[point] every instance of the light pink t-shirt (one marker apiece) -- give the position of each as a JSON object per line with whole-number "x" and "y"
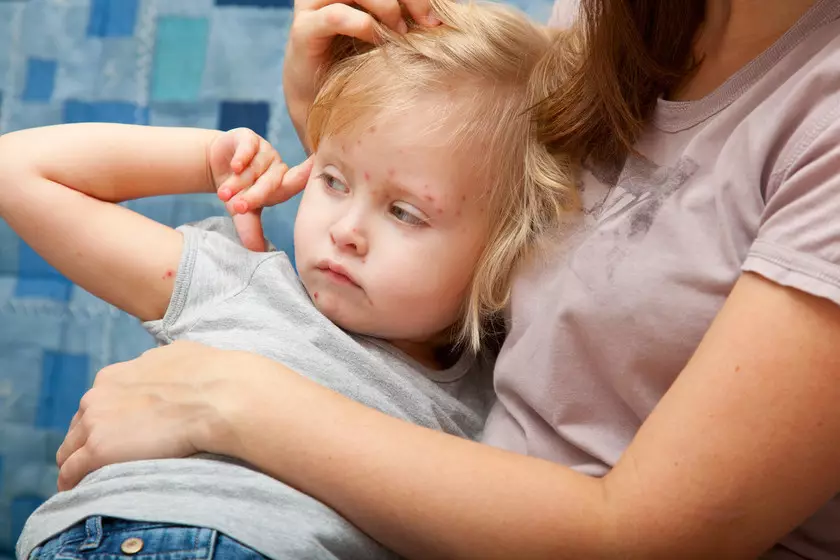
{"x": 746, "y": 179}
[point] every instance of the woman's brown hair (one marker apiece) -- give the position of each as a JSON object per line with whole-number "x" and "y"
{"x": 634, "y": 51}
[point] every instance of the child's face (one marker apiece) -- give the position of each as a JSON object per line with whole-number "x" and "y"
{"x": 389, "y": 230}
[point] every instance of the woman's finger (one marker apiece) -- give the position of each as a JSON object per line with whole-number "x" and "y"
{"x": 388, "y": 12}
{"x": 74, "y": 439}
{"x": 421, "y": 12}
{"x": 247, "y": 147}
{"x": 74, "y": 469}
{"x": 337, "y": 19}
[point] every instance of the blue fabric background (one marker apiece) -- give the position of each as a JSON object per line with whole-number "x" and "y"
{"x": 205, "y": 63}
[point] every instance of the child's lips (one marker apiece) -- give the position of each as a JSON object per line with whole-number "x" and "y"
{"x": 337, "y": 273}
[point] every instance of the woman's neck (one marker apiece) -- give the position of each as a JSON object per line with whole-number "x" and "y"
{"x": 735, "y": 32}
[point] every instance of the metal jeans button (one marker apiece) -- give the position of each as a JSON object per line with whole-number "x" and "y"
{"x": 132, "y": 545}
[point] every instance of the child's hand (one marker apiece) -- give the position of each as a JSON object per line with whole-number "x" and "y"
{"x": 249, "y": 175}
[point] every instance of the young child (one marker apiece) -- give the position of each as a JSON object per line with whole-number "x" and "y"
{"x": 428, "y": 187}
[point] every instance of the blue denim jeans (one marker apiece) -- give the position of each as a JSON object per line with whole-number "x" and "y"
{"x": 106, "y": 538}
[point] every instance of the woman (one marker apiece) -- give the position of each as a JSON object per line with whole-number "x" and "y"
{"x": 668, "y": 387}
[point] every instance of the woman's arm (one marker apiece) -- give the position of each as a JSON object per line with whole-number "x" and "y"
{"x": 740, "y": 450}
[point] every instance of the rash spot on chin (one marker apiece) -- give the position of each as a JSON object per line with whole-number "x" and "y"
{"x": 315, "y": 295}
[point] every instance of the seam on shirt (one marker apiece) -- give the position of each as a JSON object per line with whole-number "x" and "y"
{"x": 183, "y": 283}
{"x": 790, "y": 260}
{"x": 779, "y": 177}
{"x": 247, "y": 284}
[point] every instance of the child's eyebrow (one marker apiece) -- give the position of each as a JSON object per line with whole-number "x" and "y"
{"x": 423, "y": 194}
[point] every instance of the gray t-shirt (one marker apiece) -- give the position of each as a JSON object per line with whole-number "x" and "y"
{"x": 228, "y": 297}
{"x": 746, "y": 179}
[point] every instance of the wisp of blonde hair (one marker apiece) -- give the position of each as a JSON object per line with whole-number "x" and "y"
{"x": 497, "y": 65}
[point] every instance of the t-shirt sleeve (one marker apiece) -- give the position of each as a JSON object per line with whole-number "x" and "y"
{"x": 214, "y": 266}
{"x": 798, "y": 241}
{"x": 564, "y": 13}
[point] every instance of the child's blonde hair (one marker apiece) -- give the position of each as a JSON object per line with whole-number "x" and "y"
{"x": 504, "y": 61}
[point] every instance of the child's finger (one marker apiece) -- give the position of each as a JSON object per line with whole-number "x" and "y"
{"x": 262, "y": 190}
{"x": 249, "y": 229}
{"x": 235, "y": 184}
{"x": 247, "y": 147}
{"x": 294, "y": 181}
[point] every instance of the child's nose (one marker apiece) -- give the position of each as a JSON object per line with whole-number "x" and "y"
{"x": 348, "y": 236}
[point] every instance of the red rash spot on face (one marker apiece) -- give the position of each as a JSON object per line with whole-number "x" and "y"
{"x": 428, "y": 197}
{"x": 168, "y": 274}
{"x": 391, "y": 172}
{"x": 367, "y": 176}
{"x": 458, "y": 213}
{"x": 315, "y": 295}
{"x": 355, "y": 230}
{"x": 439, "y": 210}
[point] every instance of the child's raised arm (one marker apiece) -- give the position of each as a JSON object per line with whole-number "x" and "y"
{"x": 59, "y": 186}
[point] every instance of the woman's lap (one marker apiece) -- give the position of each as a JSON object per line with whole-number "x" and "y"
{"x": 108, "y": 538}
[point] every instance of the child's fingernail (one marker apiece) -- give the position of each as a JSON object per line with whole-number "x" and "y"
{"x": 402, "y": 27}
{"x": 224, "y": 194}
{"x": 240, "y": 206}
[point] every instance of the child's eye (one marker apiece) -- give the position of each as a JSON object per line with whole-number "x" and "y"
{"x": 408, "y": 214}
{"x": 333, "y": 183}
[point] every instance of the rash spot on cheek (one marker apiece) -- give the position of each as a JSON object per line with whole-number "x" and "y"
{"x": 315, "y": 295}
{"x": 168, "y": 274}
{"x": 428, "y": 197}
{"x": 367, "y": 176}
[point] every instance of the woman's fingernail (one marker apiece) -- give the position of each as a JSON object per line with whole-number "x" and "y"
{"x": 402, "y": 27}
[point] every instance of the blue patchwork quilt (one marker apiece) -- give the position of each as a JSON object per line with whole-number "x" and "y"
{"x": 205, "y": 63}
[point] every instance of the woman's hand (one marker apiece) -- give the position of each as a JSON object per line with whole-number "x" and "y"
{"x": 249, "y": 175}
{"x": 168, "y": 403}
{"x": 317, "y": 22}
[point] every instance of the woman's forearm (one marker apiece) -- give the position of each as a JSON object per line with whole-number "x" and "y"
{"x": 422, "y": 493}
{"x": 113, "y": 162}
